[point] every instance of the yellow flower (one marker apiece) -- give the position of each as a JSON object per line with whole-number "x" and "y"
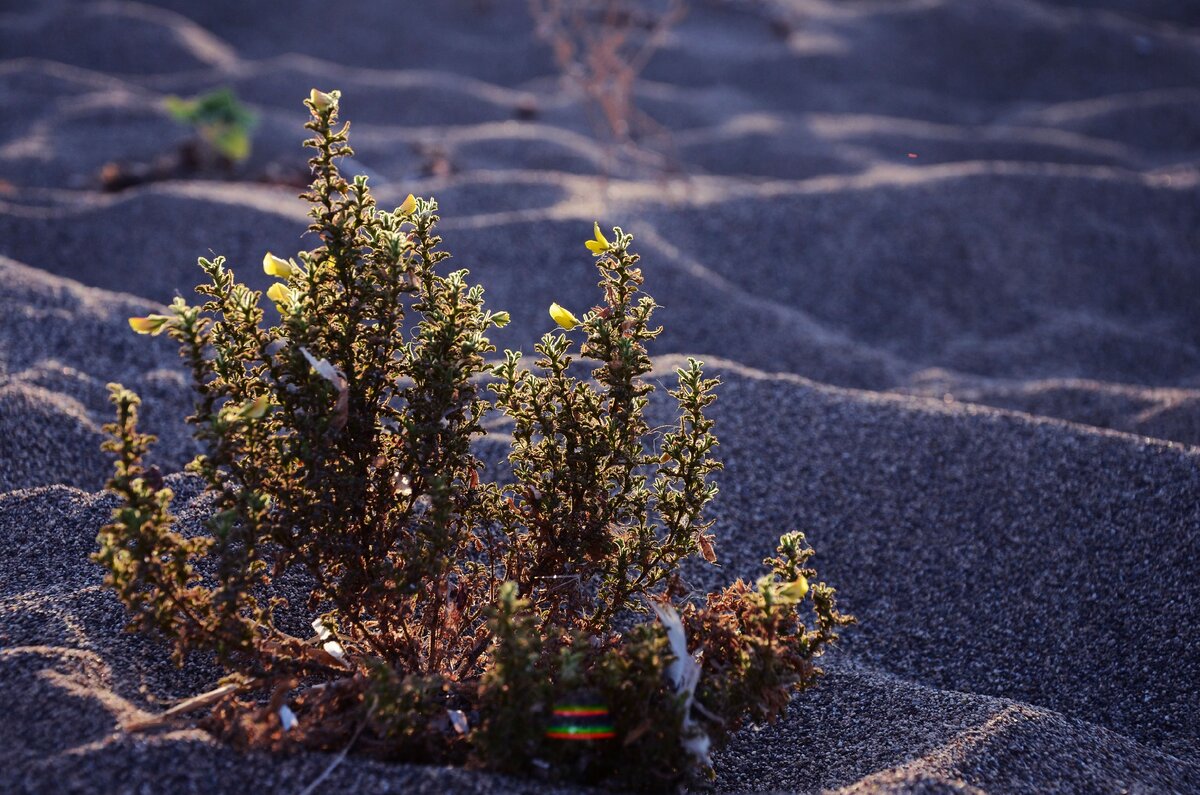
{"x": 321, "y": 100}
{"x": 151, "y": 324}
{"x": 254, "y": 409}
{"x": 600, "y": 244}
{"x": 281, "y": 294}
{"x": 794, "y": 591}
{"x": 408, "y": 205}
{"x": 281, "y": 268}
{"x": 563, "y": 317}
{"x": 501, "y": 319}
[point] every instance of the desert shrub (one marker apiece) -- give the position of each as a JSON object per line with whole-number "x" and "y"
{"x": 454, "y": 618}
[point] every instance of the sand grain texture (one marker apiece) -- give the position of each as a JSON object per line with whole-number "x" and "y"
{"x": 971, "y": 376}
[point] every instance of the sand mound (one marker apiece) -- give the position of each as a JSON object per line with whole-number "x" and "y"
{"x": 978, "y": 564}
{"x": 53, "y": 373}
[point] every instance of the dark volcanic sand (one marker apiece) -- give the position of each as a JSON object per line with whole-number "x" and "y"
{"x": 972, "y": 377}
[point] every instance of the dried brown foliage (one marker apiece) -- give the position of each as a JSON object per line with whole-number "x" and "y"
{"x": 601, "y": 47}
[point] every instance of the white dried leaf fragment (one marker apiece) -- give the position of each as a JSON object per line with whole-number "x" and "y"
{"x": 403, "y": 485}
{"x": 335, "y": 650}
{"x": 458, "y": 719}
{"x": 323, "y": 368}
{"x": 341, "y": 408}
{"x": 322, "y": 631}
{"x": 684, "y": 672}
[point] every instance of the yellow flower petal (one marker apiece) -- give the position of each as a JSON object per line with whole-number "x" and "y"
{"x": 600, "y": 244}
{"x": 563, "y": 317}
{"x": 794, "y": 591}
{"x": 274, "y": 266}
{"x": 321, "y": 100}
{"x": 279, "y": 293}
{"x": 407, "y": 206}
{"x": 151, "y": 324}
{"x": 254, "y": 409}
{"x": 501, "y": 319}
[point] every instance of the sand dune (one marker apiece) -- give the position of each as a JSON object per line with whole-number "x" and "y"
{"x": 944, "y": 256}
{"x": 977, "y": 568}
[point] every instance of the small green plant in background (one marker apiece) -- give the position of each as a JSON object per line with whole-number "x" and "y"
{"x": 220, "y": 121}
{"x": 535, "y": 622}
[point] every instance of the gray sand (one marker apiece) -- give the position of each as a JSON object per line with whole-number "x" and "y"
{"x": 972, "y": 376}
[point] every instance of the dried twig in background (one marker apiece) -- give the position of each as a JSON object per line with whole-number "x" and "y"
{"x": 602, "y": 46}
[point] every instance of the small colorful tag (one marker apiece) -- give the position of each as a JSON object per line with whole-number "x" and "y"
{"x": 581, "y": 722}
